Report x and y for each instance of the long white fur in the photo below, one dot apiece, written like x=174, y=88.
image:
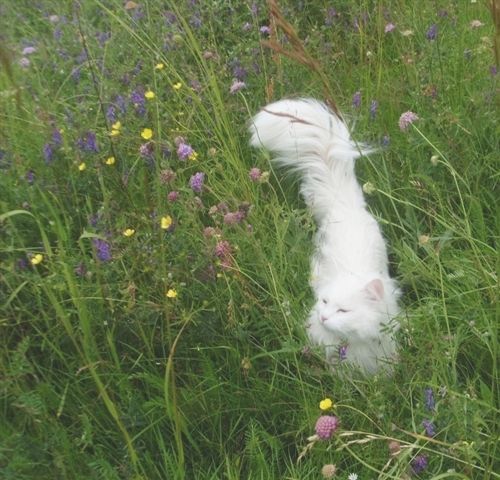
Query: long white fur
x=356, y=299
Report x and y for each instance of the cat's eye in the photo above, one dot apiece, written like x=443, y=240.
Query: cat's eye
x=324, y=300
x=342, y=310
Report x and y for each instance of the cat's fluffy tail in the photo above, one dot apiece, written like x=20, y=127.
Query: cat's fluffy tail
x=309, y=138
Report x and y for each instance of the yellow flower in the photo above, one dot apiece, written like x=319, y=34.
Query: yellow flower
x=325, y=404
x=171, y=293
x=114, y=133
x=159, y=66
x=147, y=134
x=82, y=166
x=117, y=125
x=36, y=259
x=166, y=222
x=177, y=86
x=193, y=156
x=128, y=232
x=110, y=161
x=149, y=95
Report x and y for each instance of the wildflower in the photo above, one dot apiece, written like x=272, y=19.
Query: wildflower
x=356, y=99
x=115, y=128
x=48, y=153
x=419, y=464
x=166, y=222
x=159, y=66
x=172, y=196
x=57, y=137
x=24, y=62
x=237, y=86
x=223, y=252
x=432, y=32
x=386, y=140
x=369, y=188
x=146, y=150
x=196, y=182
x=232, y=218
x=326, y=426
x=110, y=161
x=352, y=476
x=103, y=249
x=389, y=27
x=328, y=471
x=147, y=134
x=30, y=177
x=406, y=119
x=326, y=404
x=394, y=448
x=171, y=293
x=255, y=174
x=81, y=270
x=476, y=24
x=342, y=352
x=430, y=403
x=493, y=70
x=82, y=166
x=36, y=259
x=128, y=232
x=373, y=109
x=185, y=151
x=423, y=240
x=149, y=95
x=265, y=30
x=167, y=176
x=177, y=86
x=137, y=99
x=430, y=428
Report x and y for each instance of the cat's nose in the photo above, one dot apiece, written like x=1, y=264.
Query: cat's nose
x=323, y=318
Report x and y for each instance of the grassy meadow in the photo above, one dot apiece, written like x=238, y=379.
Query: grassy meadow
x=154, y=268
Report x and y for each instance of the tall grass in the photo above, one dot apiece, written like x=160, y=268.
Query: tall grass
x=105, y=375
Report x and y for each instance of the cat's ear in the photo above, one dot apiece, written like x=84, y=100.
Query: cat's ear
x=375, y=289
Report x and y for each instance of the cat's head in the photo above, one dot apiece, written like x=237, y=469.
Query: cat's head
x=356, y=307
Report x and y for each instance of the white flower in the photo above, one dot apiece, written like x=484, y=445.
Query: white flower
x=352, y=476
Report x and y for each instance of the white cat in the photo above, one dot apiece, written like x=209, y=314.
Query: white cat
x=356, y=299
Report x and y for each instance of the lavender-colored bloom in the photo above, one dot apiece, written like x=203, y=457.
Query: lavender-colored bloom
x=430, y=403
x=430, y=429
x=389, y=27
x=196, y=182
x=265, y=30
x=386, y=140
x=172, y=196
x=121, y=103
x=342, y=352
x=30, y=177
x=326, y=426
x=103, y=249
x=111, y=114
x=184, y=151
x=356, y=99
x=48, y=153
x=28, y=50
x=373, y=109
x=239, y=72
x=255, y=174
x=493, y=70
x=419, y=464
x=195, y=20
x=232, y=218
x=88, y=143
x=237, y=86
x=139, y=102
x=406, y=119
x=432, y=32
x=146, y=150
x=57, y=137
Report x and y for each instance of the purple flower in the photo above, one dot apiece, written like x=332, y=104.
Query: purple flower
x=265, y=30
x=172, y=196
x=493, y=70
x=432, y=32
x=430, y=429
x=28, y=50
x=88, y=143
x=231, y=218
x=48, y=153
x=386, y=140
x=237, y=86
x=406, y=119
x=430, y=404
x=184, y=150
x=103, y=249
x=223, y=252
x=419, y=464
x=373, y=109
x=30, y=177
x=196, y=182
x=146, y=150
x=57, y=137
x=255, y=174
x=111, y=114
x=389, y=27
x=139, y=102
x=326, y=426
x=342, y=352
x=356, y=99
